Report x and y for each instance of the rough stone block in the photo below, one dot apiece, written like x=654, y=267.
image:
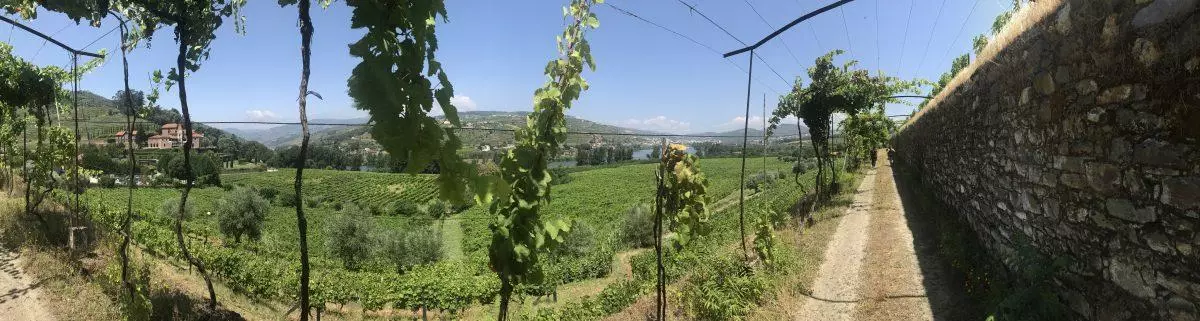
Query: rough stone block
x=1125, y=210
x=1104, y=178
x=1181, y=192
x=1158, y=153
x=1146, y=51
x=1044, y=83
x=1115, y=94
x=1131, y=276
x=1163, y=10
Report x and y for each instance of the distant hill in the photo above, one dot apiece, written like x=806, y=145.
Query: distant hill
x=783, y=132
x=290, y=134
x=282, y=135
x=100, y=119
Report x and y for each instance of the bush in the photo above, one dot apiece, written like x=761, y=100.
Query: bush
x=286, y=198
x=170, y=208
x=108, y=181
x=638, y=230
x=403, y=208
x=268, y=193
x=436, y=208
x=723, y=290
x=406, y=249
x=349, y=237
x=242, y=212
x=314, y=201
x=756, y=182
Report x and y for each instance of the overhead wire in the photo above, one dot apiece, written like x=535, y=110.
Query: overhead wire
x=846, y=28
x=781, y=41
x=931, y=31
x=961, y=28
x=39, y=51
x=907, y=22
x=88, y=121
x=110, y=31
x=878, y=35
x=735, y=38
x=693, y=40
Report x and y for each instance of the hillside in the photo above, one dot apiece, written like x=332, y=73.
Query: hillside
x=100, y=119
x=286, y=135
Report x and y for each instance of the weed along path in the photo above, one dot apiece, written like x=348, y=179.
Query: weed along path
x=18, y=295
x=874, y=268
x=835, y=292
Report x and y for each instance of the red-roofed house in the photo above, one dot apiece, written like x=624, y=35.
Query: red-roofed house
x=121, y=137
x=169, y=136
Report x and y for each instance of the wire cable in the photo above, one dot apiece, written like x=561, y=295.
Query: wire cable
x=110, y=31
x=846, y=28
x=931, y=31
x=39, y=51
x=86, y=121
x=735, y=38
x=693, y=40
x=907, y=22
x=960, y=29
x=781, y=41
x=878, y=35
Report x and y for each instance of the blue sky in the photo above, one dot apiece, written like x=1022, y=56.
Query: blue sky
x=494, y=52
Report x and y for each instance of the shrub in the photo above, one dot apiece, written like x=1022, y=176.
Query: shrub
x=403, y=208
x=406, y=249
x=314, y=201
x=286, y=198
x=349, y=237
x=268, y=193
x=638, y=230
x=723, y=290
x=108, y=182
x=436, y=208
x=170, y=208
x=242, y=212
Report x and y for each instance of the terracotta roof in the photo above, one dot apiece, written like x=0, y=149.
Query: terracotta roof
x=170, y=125
x=160, y=137
x=122, y=133
x=197, y=134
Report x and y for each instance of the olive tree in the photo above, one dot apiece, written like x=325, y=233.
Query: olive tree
x=242, y=212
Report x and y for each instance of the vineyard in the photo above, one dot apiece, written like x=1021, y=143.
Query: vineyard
x=363, y=188
x=597, y=198
x=492, y=228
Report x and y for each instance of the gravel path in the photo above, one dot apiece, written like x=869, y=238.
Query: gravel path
x=874, y=269
x=837, y=283
x=18, y=297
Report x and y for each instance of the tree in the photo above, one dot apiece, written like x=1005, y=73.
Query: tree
x=979, y=43
x=638, y=228
x=833, y=89
x=408, y=248
x=133, y=104
x=349, y=237
x=437, y=209
x=196, y=23
x=241, y=213
x=518, y=233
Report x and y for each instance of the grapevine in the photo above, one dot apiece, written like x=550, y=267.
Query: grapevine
x=681, y=198
x=518, y=231
x=392, y=83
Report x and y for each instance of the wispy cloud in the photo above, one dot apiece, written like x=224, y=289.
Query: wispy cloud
x=261, y=115
x=657, y=123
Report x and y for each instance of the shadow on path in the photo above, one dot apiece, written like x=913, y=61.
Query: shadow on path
x=951, y=301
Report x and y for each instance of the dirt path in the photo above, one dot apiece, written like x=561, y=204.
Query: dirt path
x=874, y=269
x=836, y=290
x=18, y=296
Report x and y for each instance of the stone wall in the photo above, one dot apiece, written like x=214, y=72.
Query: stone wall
x=1083, y=135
